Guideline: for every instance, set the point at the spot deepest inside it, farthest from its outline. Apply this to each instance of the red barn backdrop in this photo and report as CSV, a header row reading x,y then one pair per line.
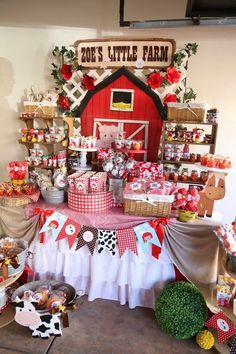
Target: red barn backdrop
x,y
146,107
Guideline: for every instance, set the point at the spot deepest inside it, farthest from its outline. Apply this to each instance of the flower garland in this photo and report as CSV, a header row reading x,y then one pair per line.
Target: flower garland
x,y
172,75
62,72
66,65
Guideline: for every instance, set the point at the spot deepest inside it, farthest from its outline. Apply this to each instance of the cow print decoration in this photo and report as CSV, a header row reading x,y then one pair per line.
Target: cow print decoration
x,y
107,240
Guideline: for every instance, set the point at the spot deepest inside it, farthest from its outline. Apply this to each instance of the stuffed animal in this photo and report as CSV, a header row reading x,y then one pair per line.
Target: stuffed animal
x,y
108,134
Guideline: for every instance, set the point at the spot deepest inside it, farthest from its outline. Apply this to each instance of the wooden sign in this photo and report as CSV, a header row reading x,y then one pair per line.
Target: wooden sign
x,y
114,53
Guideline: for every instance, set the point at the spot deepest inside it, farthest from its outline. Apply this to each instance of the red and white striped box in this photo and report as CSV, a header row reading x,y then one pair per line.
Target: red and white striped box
x,y
81,184
97,183
72,178
90,202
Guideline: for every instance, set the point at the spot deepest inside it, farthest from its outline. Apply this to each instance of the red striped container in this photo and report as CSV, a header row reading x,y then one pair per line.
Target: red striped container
x,y
89,202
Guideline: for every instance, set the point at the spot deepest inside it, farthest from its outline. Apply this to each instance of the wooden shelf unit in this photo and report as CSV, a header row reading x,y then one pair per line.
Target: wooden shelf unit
x,y
50,146
210,147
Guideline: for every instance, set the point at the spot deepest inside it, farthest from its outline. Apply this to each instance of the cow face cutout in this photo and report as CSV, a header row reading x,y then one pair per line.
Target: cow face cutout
x,y
26,314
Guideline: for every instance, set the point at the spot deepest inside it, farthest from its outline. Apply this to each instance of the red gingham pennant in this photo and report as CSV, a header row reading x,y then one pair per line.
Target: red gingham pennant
x,y
223,325
87,236
126,239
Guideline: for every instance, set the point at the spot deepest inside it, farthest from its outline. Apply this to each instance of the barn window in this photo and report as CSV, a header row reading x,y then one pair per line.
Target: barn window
x,y
122,100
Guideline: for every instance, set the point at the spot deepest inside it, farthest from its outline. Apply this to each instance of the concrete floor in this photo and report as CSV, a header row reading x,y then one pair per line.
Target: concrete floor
x,y
100,327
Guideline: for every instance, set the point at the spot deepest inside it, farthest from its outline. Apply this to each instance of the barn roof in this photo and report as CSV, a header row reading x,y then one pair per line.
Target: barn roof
x,y
135,80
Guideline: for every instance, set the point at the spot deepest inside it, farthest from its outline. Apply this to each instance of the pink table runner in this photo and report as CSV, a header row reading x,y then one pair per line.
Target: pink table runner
x,y
111,219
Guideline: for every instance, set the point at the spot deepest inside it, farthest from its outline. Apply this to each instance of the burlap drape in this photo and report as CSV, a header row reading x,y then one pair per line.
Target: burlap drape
x,y
14,223
195,250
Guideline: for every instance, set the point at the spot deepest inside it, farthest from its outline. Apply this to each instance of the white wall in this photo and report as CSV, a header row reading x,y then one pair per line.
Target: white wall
x,y
25,61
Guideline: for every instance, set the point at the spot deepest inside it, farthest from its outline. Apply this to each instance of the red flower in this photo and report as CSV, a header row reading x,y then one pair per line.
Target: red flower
x,y
155,80
63,102
66,71
169,98
88,82
172,75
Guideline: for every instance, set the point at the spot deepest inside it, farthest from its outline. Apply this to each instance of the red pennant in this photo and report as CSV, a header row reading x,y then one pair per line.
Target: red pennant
x,y
157,225
225,328
69,231
43,215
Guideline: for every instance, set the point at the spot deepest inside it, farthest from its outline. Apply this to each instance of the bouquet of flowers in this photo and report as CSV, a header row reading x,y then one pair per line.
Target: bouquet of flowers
x,y
187,199
17,171
118,166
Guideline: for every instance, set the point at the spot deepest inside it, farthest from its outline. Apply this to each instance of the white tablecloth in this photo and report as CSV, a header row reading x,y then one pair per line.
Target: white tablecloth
x,y
131,279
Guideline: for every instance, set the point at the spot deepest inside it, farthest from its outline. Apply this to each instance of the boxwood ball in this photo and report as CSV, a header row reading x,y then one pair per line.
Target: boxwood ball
x,y
181,310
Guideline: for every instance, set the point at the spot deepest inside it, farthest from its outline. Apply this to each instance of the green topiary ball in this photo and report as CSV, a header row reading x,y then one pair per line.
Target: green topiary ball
x,y
181,310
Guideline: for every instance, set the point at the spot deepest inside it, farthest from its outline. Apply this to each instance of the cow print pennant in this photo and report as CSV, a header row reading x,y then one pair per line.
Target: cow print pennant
x,y
87,236
107,240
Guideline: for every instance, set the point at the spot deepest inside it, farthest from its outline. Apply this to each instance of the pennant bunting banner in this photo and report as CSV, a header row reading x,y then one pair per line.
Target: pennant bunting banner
x,y
54,223
146,235
126,239
224,327
60,226
69,231
87,236
107,240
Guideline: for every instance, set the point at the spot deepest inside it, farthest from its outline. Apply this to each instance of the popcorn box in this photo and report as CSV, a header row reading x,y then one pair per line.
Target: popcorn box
x,y
97,183
71,179
81,184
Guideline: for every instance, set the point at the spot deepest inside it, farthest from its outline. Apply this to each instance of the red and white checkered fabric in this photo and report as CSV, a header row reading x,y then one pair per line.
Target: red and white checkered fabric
x,y
126,239
89,203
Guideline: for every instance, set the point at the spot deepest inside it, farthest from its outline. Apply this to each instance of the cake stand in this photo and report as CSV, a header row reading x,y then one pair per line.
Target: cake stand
x,y
82,159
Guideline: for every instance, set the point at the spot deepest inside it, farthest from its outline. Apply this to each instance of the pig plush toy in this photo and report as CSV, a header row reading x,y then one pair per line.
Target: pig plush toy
x,y
108,134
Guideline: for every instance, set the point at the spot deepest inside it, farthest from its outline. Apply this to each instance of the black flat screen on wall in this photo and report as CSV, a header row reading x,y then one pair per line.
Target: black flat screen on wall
x,y
211,8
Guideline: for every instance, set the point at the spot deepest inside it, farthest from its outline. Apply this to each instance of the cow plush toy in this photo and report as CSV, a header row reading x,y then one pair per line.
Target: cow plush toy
x,y
41,325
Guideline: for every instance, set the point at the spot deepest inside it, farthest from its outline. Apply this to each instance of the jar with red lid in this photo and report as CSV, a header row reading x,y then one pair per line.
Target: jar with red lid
x,y
166,173
175,175
194,176
184,175
204,176
192,157
198,157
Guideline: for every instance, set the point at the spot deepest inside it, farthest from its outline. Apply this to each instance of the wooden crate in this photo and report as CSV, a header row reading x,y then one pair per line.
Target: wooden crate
x,y
183,112
44,109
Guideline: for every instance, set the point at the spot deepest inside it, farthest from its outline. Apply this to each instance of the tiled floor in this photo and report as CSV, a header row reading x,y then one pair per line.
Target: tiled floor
x,y
100,327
